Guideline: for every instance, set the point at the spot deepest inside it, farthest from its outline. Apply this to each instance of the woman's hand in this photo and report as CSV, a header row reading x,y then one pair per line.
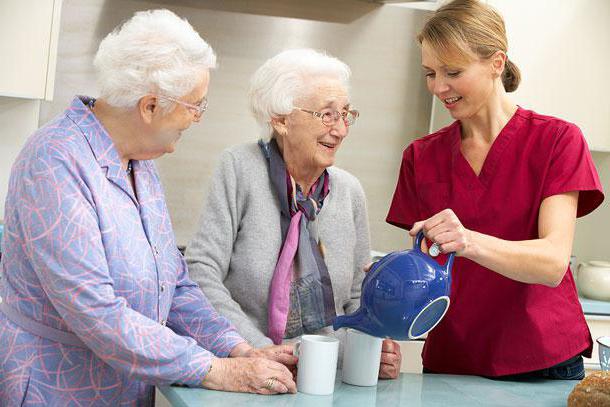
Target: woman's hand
x,y
249,375
446,230
389,367
278,353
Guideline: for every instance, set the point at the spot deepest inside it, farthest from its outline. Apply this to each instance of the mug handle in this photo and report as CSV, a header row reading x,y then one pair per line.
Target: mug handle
x,y
296,349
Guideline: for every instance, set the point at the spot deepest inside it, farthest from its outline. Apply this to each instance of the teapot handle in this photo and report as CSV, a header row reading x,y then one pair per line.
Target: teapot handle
x,y
418,239
417,246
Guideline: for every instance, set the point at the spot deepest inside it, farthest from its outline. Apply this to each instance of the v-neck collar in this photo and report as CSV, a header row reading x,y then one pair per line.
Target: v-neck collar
x,y
101,144
463,168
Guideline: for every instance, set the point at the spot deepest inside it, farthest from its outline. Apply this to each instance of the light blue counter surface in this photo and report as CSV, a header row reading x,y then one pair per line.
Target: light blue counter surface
x,y
593,307
408,390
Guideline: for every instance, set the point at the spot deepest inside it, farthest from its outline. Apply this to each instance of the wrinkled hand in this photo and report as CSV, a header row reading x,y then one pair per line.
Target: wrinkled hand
x,y
249,375
446,230
278,353
391,358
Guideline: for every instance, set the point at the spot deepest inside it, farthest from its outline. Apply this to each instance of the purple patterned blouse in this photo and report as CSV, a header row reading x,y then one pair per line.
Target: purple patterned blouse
x,y
85,255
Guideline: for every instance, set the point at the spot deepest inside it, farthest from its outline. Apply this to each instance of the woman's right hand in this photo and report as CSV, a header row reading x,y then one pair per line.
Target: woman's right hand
x,y
249,375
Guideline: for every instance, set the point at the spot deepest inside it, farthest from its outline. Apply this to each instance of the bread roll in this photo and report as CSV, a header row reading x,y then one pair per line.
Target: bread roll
x,y
592,391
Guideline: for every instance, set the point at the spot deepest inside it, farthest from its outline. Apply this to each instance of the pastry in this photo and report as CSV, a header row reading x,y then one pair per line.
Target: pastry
x,y
592,391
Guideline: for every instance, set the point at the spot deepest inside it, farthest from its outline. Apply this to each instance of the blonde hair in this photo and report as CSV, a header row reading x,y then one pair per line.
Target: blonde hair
x,y
463,30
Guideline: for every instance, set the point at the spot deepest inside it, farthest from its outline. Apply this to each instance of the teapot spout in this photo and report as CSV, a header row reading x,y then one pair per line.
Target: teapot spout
x,y
358,320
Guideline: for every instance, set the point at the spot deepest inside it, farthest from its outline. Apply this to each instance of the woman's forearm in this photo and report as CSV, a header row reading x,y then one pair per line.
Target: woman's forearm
x,y
539,261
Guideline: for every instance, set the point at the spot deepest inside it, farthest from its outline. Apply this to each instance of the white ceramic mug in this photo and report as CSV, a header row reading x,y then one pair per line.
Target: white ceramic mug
x,y
317,365
361,358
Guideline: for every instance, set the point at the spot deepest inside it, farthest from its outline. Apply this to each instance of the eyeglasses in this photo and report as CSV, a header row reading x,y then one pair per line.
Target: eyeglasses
x,y
330,117
197,109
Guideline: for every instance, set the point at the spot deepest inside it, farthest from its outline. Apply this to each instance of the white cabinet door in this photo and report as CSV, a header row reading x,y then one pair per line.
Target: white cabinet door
x,y
599,325
563,50
28,47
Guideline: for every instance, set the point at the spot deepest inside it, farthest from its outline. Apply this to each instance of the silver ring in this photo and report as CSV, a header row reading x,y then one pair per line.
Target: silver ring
x,y
270,382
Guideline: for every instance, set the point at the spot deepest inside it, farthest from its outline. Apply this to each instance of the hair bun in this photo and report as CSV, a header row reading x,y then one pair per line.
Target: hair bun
x,y
511,77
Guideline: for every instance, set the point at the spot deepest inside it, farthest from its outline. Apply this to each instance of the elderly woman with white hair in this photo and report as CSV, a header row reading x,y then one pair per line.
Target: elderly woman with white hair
x,y
97,305
284,238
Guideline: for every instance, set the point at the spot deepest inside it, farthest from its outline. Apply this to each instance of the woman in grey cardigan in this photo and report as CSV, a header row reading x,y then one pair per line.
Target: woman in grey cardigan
x,y
284,235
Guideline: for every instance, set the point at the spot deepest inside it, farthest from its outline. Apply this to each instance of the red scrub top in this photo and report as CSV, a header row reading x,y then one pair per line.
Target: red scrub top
x,y
497,326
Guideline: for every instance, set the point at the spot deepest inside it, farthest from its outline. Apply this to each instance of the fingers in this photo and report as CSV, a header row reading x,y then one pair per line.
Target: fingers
x,y
283,375
445,229
388,358
282,354
271,378
388,371
290,386
428,224
286,359
272,385
284,348
389,345
367,268
417,226
391,358
283,383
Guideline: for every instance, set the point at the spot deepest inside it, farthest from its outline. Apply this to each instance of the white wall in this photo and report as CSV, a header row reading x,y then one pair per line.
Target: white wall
x,y
592,241
18,119
563,50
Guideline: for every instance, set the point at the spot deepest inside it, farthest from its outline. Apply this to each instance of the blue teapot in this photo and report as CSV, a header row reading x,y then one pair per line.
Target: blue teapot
x,y
404,295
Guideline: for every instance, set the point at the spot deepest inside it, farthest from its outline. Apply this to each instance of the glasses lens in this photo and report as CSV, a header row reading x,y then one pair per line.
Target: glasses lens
x,y
351,117
329,118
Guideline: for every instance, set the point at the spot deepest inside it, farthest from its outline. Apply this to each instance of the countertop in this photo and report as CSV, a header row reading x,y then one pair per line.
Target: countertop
x,y
409,390
593,307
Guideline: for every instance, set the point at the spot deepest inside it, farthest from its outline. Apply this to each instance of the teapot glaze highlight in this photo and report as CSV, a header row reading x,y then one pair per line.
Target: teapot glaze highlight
x,y
404,295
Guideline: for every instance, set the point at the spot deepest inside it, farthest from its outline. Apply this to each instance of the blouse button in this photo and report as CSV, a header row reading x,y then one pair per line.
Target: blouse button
x,y
156,251
162,287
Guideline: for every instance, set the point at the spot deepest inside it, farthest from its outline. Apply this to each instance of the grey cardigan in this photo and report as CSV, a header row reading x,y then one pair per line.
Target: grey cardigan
x,y
234,252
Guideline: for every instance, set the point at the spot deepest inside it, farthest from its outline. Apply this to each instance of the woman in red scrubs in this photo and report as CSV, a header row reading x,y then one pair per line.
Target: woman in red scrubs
x,y
502,187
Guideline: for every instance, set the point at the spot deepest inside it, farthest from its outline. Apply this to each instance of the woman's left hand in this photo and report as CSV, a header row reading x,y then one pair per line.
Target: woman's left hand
x,y
389,367
446,230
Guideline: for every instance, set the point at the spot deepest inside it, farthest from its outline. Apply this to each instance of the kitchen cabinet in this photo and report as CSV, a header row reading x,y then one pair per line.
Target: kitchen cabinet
x,y
429,5
411,356
562,50
29,31
599,325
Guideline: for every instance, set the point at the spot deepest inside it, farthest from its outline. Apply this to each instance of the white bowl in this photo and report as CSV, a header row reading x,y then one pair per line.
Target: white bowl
x,y
593,280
